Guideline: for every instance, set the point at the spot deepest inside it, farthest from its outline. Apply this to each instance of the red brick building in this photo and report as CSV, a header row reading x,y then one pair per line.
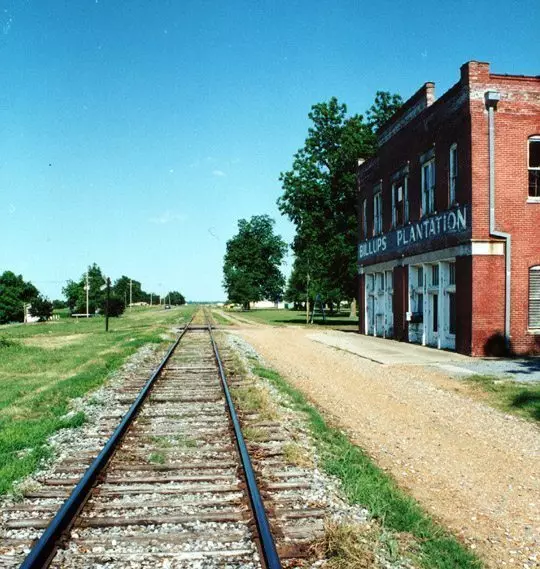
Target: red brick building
x,y
449,218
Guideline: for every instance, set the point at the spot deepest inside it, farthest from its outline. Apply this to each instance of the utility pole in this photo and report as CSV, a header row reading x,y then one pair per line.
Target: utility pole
x,y
107,304
87,295
307,299
150,299
130,293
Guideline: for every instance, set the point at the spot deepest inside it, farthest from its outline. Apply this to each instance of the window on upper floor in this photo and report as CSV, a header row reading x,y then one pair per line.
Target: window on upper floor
x,y
364,219
435,275
377,213
428,187
534,167
452,174
534,298
400,202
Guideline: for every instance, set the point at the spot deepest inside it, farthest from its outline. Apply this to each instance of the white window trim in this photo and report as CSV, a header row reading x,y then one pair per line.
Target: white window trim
x,y
394,202
404,183
364,219
428,202
452,176
377,213
535,329
406,199
534,138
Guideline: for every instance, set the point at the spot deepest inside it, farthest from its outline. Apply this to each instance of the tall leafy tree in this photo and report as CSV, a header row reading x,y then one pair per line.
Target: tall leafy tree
x,y
176,298
319,193
251,268
297,284
75,291
122,286
14,293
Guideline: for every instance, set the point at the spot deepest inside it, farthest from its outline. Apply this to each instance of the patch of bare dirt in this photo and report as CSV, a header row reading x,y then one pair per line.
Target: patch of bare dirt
x,y
472,467
53,342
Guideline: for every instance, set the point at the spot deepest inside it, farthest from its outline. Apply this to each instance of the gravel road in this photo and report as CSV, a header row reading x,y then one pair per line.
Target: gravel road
x,y
473,468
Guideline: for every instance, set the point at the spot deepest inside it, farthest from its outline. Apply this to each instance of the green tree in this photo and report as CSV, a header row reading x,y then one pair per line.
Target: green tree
x,y
41,308
121,289
297,285
319,193
251,268
14,293
75,291
383,108
176,298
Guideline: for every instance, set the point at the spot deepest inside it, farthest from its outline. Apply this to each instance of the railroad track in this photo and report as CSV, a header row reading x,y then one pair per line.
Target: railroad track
x,y
172,487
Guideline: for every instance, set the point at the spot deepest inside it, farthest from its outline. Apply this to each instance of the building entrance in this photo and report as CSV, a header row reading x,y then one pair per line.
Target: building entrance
x,y
379,304
432,304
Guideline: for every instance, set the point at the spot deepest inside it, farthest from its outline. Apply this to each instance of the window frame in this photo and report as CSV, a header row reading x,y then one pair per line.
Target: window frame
x,y
533,327
402,182
377,212
428,194
530,169
364,219
453,173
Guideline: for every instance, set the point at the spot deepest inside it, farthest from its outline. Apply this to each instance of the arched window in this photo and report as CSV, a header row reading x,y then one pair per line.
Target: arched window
x,y
534,166
534,298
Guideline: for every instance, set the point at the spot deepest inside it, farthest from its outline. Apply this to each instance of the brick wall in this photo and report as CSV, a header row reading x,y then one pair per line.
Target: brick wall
x,y
517,117
487,305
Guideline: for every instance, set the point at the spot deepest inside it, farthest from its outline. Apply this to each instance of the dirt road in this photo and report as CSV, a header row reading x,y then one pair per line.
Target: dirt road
x,y
472,467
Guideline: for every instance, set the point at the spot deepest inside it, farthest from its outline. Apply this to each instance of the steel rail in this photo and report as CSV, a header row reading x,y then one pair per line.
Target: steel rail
x,y
43,551
268,546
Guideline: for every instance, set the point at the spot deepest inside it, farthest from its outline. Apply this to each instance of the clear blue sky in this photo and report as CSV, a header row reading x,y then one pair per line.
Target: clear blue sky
x,y
136,133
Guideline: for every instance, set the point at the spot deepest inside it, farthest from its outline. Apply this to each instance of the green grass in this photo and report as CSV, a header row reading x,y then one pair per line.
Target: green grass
x,y
367,485
285,316
157,458
220,320
512,397
43,366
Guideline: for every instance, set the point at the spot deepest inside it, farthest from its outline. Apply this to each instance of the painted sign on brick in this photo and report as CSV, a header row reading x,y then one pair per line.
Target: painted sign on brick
x,y
451,222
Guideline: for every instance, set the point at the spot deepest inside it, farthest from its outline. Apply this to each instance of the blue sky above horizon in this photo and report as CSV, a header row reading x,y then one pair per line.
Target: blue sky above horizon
x,y
136,134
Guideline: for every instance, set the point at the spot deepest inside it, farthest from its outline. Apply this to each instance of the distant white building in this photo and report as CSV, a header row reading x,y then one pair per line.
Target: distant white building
x,y
267,304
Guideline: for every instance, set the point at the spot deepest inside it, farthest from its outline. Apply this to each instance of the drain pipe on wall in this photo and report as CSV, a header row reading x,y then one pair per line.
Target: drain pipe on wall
x,y
492,98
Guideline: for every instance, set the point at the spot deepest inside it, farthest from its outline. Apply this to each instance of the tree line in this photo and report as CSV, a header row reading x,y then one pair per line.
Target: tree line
x,y
15,292
319,197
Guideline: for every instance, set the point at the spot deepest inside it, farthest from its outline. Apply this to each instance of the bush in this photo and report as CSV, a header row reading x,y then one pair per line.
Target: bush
x,y
116,307
41,308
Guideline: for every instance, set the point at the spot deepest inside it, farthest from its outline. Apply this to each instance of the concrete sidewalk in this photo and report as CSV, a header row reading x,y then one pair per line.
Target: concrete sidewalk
x,y
391,352
386,352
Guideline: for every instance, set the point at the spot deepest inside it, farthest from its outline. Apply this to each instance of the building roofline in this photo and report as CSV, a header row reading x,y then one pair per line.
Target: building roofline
x,y
423,98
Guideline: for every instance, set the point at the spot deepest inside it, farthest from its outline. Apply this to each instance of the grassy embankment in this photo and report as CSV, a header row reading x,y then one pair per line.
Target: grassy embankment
x,y
284,316
365,484
521,399
43,366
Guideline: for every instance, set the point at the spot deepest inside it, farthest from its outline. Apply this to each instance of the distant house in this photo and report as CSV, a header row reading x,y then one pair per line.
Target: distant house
x,y
268,304
28,318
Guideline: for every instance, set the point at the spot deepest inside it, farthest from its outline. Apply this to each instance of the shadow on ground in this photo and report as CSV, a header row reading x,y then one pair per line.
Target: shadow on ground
x,y
528,401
